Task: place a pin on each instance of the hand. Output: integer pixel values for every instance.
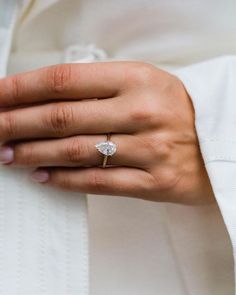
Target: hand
(57, 114)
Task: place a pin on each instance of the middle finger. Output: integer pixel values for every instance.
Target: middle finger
(64, 119)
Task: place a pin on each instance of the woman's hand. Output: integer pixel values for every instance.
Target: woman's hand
(57, 114)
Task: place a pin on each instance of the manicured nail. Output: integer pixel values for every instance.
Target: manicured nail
(40, 176)
(6, 154)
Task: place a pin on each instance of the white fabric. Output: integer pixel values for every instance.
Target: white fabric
(212, 86)
(43, 232)
(7, 22)
(140, 247)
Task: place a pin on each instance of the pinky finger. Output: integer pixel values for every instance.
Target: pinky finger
(117, 181)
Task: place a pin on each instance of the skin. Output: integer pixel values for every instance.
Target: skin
(51, 119)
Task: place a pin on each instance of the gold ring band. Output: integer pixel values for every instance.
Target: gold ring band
(106, 156)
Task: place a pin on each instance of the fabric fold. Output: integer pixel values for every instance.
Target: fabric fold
(212, 88)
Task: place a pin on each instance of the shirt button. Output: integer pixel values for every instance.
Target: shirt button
(83, 54)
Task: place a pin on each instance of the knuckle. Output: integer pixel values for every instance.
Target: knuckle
(75, 151)
(60, 118)
(167, 181)
(141, 115)
(160, 149)
(145, 113)
(97, 182)
(8, 128)
(15, 84)
(164, 149)
(143, 73)
(58, 77)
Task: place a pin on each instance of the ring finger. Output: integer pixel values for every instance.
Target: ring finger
(76, 151)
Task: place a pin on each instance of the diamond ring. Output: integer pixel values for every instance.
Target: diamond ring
(107, 148)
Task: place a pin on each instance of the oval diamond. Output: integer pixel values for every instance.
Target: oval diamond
(107, 148)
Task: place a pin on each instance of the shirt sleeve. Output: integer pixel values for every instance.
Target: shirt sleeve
(212, 87)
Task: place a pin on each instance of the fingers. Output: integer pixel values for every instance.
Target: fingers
(66, 119)
(77, 151)
(120, 181)
(72, 81)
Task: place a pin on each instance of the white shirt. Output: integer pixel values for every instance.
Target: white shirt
(43, 232)
(152, 248)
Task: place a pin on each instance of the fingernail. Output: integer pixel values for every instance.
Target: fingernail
(6, 154)
(40, 176)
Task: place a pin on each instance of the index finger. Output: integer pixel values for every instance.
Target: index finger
(64, 81)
